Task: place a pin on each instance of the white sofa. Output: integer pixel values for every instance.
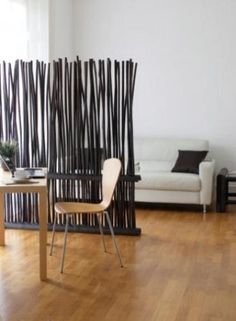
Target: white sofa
(155, 158)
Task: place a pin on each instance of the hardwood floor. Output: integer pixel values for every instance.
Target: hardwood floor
(182, 268)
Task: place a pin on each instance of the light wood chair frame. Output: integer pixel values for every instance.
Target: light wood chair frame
(110, 176)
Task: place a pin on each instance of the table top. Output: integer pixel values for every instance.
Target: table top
(7, 184)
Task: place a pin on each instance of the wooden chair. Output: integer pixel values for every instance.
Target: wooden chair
(110, 175)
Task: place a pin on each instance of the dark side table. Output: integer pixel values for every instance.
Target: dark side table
(223, 196)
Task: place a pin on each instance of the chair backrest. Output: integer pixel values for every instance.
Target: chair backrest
(110, 175)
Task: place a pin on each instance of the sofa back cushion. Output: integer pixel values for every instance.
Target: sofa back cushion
(150, 166)
(165, 149)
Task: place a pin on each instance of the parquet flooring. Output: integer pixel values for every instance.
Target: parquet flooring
(182, 268)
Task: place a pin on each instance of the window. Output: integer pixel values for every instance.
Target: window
(23, 30)
(13, 30)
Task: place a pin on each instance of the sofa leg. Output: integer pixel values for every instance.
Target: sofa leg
(204, 208)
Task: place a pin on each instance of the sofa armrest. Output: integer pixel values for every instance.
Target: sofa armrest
(206, 174)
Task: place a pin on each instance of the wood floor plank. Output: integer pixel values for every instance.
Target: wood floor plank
(182, 268)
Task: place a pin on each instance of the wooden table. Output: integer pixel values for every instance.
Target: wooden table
(41, 188)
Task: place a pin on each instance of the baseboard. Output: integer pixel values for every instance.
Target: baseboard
(80, 229)
(173, 206)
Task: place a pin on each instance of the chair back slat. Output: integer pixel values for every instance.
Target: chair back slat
(110, 175)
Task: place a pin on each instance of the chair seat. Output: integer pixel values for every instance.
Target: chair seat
(77, 207)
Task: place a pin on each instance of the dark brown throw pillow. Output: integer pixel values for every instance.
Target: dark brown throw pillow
(188, 161)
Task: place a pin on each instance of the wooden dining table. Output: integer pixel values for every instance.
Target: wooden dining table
(39, 186)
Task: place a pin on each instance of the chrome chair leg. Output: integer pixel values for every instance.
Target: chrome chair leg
(113, 237)
(99, 217)
(53, 233)
(64, 245)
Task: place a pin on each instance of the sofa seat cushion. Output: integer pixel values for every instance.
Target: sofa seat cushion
(169, 181)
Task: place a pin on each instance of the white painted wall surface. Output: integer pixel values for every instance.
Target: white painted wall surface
(60, 29)
(38, 30)
(186, 51)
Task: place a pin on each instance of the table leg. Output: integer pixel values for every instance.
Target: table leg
(2, 212)
(43, 215)
(221, 193)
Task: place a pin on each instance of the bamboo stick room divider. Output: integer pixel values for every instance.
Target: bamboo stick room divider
(69, 117)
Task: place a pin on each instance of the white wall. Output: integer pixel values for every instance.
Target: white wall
(38, 30)
(61, 29)
(186, 51)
